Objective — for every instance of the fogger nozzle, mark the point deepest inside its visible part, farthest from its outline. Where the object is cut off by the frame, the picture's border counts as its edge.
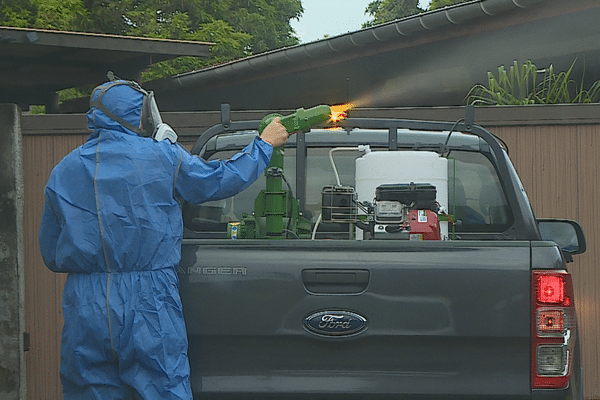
(301, 120)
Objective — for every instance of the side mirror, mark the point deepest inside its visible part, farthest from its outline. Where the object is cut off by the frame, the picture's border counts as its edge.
(567, 234)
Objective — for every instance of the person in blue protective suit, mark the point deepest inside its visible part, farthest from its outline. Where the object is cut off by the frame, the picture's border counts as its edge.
(112, 220)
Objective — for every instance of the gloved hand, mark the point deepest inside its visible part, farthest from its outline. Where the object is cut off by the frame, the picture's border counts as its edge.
(275, 134)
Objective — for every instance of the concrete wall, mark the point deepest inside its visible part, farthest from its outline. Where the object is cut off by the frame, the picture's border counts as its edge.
(12, 371)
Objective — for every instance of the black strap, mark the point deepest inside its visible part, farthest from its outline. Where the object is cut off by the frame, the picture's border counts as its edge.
(99, 105)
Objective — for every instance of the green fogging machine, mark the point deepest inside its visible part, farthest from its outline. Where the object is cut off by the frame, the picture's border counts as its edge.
(276, 211)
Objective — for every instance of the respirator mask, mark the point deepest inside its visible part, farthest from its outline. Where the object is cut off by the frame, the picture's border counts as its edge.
(151, 124)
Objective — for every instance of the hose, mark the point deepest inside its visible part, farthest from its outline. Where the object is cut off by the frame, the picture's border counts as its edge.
(361, 147)
(314, 232)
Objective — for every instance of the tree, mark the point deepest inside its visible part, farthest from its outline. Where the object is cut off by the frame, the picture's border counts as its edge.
(267, 21)
(59, 14)
(388, 10)
(16, 13)
(238, 27)
(434, 4)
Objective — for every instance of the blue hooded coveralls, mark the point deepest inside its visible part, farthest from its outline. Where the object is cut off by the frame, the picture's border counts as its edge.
(112, 220)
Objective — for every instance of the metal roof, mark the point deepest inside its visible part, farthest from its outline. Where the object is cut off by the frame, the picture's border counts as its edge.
(35, 63)
(430, 59)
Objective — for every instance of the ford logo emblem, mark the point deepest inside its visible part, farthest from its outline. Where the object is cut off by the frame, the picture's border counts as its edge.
(335, 323)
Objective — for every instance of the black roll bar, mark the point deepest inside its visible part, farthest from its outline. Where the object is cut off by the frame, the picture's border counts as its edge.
(524, 226)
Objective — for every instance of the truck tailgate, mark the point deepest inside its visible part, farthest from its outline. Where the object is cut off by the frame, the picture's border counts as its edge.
(306, 318)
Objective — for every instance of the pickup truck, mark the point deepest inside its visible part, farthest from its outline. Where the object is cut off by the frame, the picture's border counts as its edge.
(387, 281)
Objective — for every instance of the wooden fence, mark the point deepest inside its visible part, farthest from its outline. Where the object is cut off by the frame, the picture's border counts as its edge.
(555, 149)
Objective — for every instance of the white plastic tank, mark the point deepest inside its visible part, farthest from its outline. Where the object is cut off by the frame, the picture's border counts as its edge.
(402, 167)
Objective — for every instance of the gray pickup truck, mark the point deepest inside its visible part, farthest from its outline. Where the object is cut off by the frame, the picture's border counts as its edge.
(410, 265)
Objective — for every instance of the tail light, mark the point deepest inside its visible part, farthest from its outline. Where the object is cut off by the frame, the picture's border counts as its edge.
(553, 330)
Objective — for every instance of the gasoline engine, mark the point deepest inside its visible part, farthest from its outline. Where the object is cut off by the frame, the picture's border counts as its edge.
(386, 203)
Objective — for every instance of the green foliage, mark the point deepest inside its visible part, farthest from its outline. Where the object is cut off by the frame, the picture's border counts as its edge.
(514, 87)
(388, 10)
(58, 14)
(434, 4)
(15, 15)
(73, 93)
(520, 86)
(37, 110)
(266, 21)
(384, 11)
(229, 45)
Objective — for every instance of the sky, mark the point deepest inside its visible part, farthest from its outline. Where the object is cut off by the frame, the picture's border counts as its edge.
(332, 17)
